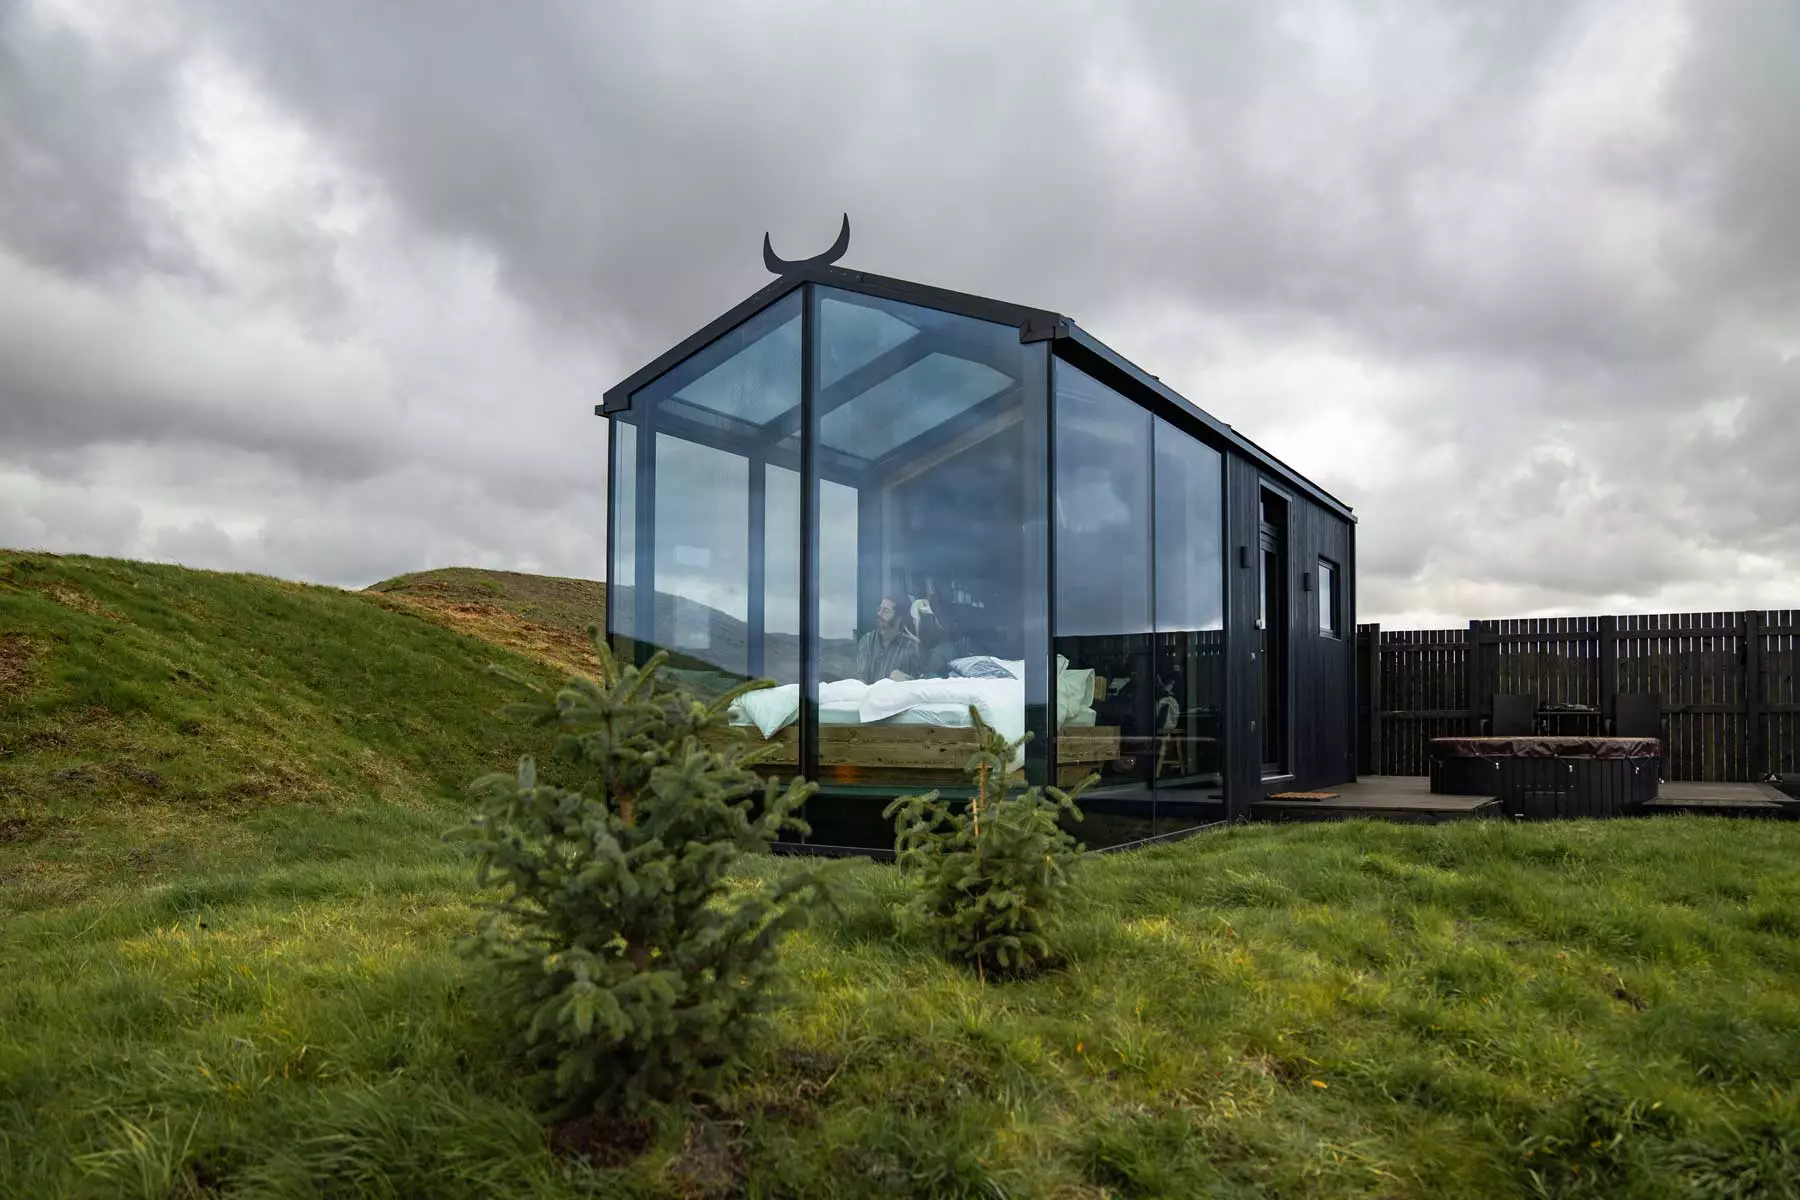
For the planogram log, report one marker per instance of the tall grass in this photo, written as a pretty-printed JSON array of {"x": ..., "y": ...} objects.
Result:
[{"x": 207, "y": 994}]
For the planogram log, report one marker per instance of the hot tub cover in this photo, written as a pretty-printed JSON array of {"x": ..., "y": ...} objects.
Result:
[{"x": 1546, "y": 747}]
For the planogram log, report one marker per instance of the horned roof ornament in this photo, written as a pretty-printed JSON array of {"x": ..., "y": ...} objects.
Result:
[{"x": 781, "y": 266}]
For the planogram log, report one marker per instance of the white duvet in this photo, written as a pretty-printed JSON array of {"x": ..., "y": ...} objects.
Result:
[
  {"x": 1001, "y": 703},
  {"x": 942, "y": 702}
]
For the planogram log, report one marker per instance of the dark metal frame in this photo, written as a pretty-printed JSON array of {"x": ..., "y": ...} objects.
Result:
[
  {"x": 610, "y": 552},
  {"x": 1040, "y": 563},
  {"x": 807, "y": 762},
  {"x": 643, "y": 599}
]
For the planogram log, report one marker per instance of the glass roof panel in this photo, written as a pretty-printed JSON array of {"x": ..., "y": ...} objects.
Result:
[
  {"x": 908, "y": 403},
  {"x": 855, "y": 335},
  {"x": 758, "y": 383}
]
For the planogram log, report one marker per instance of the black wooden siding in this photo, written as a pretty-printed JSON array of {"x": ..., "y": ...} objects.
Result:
[
  {"x": 1243, "y": 684},
  {"x": 1729, "y": 684},
  {"x": 1322, "y": 672},
  {"x": 1322, "y": 669}
]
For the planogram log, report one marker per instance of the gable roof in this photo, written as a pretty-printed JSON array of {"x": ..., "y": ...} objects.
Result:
[{"x": 1070, "y": 342}]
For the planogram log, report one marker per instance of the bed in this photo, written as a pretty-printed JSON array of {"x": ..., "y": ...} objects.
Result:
[{"x": 918, "y": 731}]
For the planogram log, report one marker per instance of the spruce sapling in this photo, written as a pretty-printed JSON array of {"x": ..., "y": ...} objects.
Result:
[
  {"x": 634, "y": 969},
  {"x": 993, "y": 875}
]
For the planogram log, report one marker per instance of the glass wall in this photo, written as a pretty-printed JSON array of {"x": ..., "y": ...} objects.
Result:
[
  {"x": 1139, "y": 608},
  {"x": 621, "y": 567},
  {"x": 919, "y": 448},
  {"x": 708, "y": 541},
  {"x": 928, "y": 444},
  {"x": 1103, "y": 600},
  {"x": 1189, "y": 566}
]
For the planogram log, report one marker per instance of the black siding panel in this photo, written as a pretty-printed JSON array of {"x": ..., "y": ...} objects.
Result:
[
  {"x": 1322, "y": 681},
  {"x": 1243, "y": 685},
  {"x": 1323, "y": 749}
]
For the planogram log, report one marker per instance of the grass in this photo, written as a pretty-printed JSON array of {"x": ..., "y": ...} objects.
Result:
[
  {"x": 241, "y": 979},
  {"x": 566, "y": 604},
  {"x": 542, "y": 617},
  {"x": 159, "y": 720}
]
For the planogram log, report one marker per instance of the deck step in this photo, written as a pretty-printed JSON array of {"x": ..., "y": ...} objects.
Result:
[
  {"x": 1782, "y": 810},
  {"x": 1724, "y": 800},
  {"x": 1375, "y": 804}
]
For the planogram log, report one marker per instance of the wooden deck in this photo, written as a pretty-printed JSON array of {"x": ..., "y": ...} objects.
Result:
[
  {"x": 1724, "y": 799},
  {"x": 1383, "y": 798},
  {"x": 1409, "y": 798}
]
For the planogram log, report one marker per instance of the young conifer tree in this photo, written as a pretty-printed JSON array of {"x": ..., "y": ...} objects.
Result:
[
  {"x": 993, "y": 875},
  {"x": 633, "y": 969}
]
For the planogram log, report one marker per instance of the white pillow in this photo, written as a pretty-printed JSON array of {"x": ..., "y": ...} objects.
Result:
[
  {"x": 985, "y": 666},
  {"x": 1074, "y": 692},
  {"x": 1074, "y": 688},
  {"x": 773, "y": 709},
  {"x": 770, "y": 709}
]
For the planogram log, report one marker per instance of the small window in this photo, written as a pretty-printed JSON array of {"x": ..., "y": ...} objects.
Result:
[{"x": 1331, "y": 619}]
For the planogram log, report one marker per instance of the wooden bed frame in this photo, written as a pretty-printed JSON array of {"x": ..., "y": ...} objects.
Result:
[{"x": 926, "y": 755}]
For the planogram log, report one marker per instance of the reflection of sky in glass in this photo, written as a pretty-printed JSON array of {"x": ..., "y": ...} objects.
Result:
[
  {"x": 852, "y": 335},
  {"x": 704, "y": 467},
  {"x": 1102, "y": 509},
  {"x": 1088, "y": 500},
  {"x": 623, "y": 490},
  {"x": 908, "y": 403},
  {"x": 702, "y": 541},
  {"x": 758, "y": 383},
  {"x": 837, "y": 565},
  {"x": 1103, "y": 481},
  {"x": 932, "y": 397},
  {"x": 946, "y": 506},
  {"x": 1190, "y": 581},
  {"x": 781, "y": 550},
  {"x": 837, "y": 561}
]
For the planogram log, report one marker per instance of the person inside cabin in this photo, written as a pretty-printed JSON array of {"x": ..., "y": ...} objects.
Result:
[
  {"x": 940, "y": 643},
  {"x": 890, "y": 650}
]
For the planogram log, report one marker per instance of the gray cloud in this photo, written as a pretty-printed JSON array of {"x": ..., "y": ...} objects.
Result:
[
  {"x": 1518, "y": 281},
  {"x": 75, "y": 127}
]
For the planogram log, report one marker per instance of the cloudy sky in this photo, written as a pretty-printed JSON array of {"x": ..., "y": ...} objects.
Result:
[{"x": 328, "y": 290}]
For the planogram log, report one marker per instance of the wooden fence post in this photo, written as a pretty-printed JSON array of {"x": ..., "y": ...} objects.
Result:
[
  {"x": 1609, "y": 672},
  {"x": 1373, "y": 685},
  {"x": 1472, "y": 663},
  {"x": 1753, "y": 695}
]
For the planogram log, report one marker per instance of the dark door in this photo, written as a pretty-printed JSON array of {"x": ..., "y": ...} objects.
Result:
[{"x": 1272, "y": 623}]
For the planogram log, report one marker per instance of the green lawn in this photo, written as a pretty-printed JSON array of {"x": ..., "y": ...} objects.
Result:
[{"x": 226, "y": 967}]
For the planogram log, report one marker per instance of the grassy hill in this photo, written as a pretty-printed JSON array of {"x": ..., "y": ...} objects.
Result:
[
  {"x": 542, "y": 617},
  {"x": 154, "y": 720},
  {"x": 227, "y": 927}
]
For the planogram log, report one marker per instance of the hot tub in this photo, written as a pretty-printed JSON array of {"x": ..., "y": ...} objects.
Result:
[{"x": 1540, "y": 777}]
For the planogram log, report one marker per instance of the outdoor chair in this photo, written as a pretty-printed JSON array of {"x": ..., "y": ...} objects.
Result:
[{"x": 1171, "y": 748}]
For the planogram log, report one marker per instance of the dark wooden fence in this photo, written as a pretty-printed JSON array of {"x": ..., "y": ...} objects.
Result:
[{"x": 1729, "y": 682}]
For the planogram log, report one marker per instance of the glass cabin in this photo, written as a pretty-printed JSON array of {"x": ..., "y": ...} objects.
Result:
[{"x": 897, "y": 502}]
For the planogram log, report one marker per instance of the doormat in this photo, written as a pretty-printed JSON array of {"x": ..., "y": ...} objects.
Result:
[{"x": 1304, "y": 796}]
